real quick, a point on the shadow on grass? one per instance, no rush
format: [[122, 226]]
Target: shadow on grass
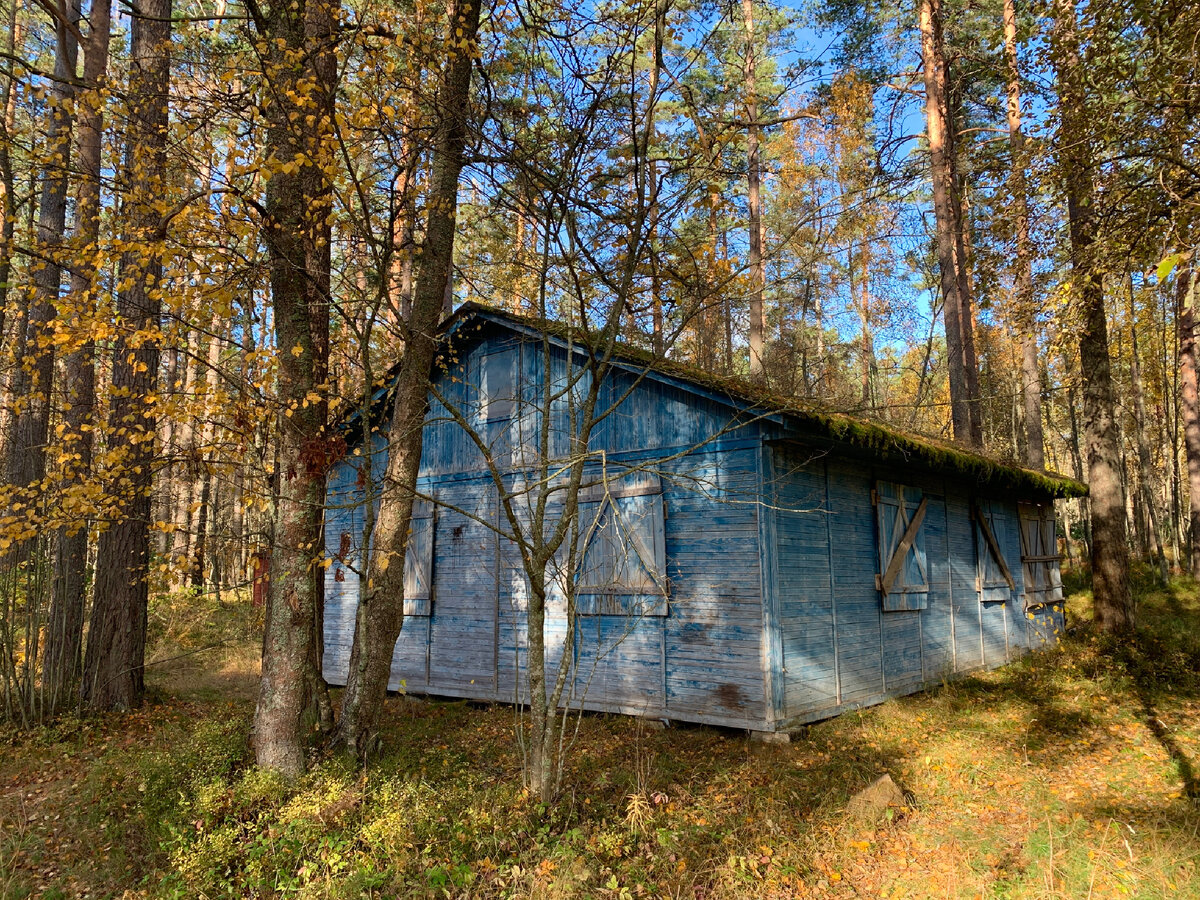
[[1056, 717], [1178, 821]]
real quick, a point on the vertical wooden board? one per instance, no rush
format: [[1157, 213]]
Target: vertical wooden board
[[992, 592], [411, 657], [712, 637], [902, 651], [630, 667], [462, 656], [341, 604], [589, 684], [937, 635], [900, 639], [960, 544], [1018, 625], [806, 620], [343, 532], [1046, 624], [937, 621], [442, 445], [995, 634], [855, 557]]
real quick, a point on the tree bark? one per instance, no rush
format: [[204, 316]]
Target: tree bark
[[380, 615], [758, 278], [180, 475], [1112, 602], [64, 637], [963, 260], [1026, 311], [1189, 398], [946, 212], [26, 464], [113, 666], [8, 195], [299, 118], [1146, 466]]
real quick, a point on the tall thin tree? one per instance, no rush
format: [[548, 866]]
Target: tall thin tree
[[113, 670], [758, 278], [380, 615], [64, 637], [1026, 310], [300, 88], [1112, 602], [946, 212]]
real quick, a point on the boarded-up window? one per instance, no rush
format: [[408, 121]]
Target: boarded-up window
[[497, 386], [623, 565], [1039, 555], [993, 579], [903, 579], [418, 563]]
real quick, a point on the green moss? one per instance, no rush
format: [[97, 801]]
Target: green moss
[[874, 438]]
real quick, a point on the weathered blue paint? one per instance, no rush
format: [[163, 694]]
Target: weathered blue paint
[[769, 537]]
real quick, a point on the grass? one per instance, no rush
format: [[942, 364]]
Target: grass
[[1069, 774]]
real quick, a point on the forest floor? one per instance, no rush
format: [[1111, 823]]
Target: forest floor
[[1071, 774]]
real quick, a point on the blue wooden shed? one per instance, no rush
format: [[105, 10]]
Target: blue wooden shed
[[748, 561]]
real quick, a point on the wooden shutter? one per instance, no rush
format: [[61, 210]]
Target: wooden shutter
[[595, 559], [418, 563], [993, 579], [1039, 555], [903, 577], [623, 565]]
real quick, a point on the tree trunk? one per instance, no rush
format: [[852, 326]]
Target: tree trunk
[[242, 525], [963, 259], [864, 316], [181, 472], [1112, 603], [1145, 465], [8, 195], [298, 243], [945, 212], [1026, 312], [64, 638], [1168, 357], [1189, 398], [758, 278], [26, 464], [202, 488], [380, 613], [113, 666]]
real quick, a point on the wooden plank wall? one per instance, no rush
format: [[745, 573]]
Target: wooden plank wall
[[702, 662], [819, 645], [838, 648]]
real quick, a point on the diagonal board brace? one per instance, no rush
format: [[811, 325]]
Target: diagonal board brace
[[994, 547], [896, 564]]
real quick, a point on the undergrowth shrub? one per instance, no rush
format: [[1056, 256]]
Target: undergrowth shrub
[[191, 618]]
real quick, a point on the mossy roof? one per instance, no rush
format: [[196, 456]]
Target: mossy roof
[[869, 437], [811, 421]]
